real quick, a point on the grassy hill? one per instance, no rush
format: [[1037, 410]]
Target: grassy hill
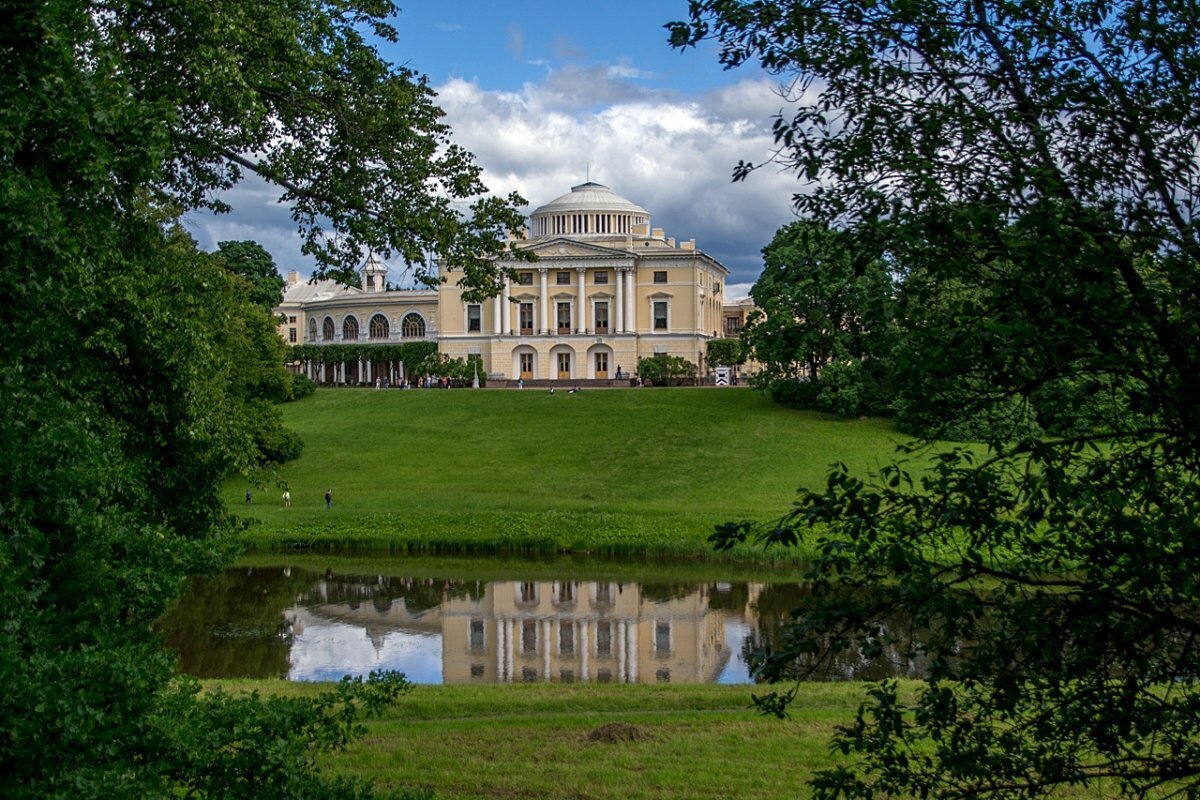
[[639, 471]]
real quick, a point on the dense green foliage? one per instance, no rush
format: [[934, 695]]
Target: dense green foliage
[[1031, 168], [665, 370], [250, 261], [725, 352], [646, 472], [135, 373], [824, 332]]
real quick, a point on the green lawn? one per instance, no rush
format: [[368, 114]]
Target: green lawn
[[532, 740], [634, 471]]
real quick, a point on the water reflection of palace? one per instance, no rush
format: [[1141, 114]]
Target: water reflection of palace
[[568, 631], [559, 631]]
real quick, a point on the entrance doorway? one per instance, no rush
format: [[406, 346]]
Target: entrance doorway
[[564, 366], [601, 365], [526, 362]]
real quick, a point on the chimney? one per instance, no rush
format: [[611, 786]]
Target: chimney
[[671, 242], [293, 278], [688, 245], [658, 233]]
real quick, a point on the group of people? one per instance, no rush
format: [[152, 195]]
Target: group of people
[[287, 498]]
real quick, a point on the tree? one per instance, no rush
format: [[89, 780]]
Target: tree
[[251, 261], [725, 352], [134, 371], [824, 330], [1032, 167]]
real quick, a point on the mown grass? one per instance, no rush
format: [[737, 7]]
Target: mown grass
[[531, 740], [617, 471]]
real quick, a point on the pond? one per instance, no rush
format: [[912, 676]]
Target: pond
[[473, 621]]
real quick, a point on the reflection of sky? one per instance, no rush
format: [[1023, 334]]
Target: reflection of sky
[[326, 652], [736, 670]]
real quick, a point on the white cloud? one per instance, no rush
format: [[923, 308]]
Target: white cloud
[[670, 153]]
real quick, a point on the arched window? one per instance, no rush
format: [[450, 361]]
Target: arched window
[[350, 329], [412, 327], [379, 327], [327, 330], [312, 329]]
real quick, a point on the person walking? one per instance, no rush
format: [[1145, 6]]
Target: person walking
[[247, 497], [287, 499], [329, 499]]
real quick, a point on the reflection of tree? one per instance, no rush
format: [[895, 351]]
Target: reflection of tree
[[777, 631], [418, 594], [232, 624], [737, 598], [666, 592]]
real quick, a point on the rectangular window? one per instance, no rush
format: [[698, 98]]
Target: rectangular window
[[291, 320], [717, 287], [566, 637], [476, 634], [601, 276], [477, 671], [601, 317], [564, 317], [474, 318], [603, 594], [525, 279], [660, 276], [603, 638], [733, 325], [525, 315], [370, 281], [662, 637], [562, 278], [529, 636], [291, 334], [660, 315]]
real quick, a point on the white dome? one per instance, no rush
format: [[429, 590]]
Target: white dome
[[590, 209], [590, 196]]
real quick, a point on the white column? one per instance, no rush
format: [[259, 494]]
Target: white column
[[546, 649], [500, 651], [506, 309], [583, 644], [630, 321], [619, 311], [544, 322], [508, 648], [370, 371], [581, 317], [620, 652], [632, 648], [496, 315]]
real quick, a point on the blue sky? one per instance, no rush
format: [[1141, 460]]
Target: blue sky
[[549, 94]]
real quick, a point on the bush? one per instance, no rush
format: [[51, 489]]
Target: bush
[[667, 370], [302, 386]]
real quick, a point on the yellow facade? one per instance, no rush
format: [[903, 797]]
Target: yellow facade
[[605, 290]]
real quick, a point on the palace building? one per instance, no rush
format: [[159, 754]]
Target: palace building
[[606, 290]]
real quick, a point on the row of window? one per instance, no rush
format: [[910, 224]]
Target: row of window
[[563, 317], [411, 327], [566, 637], [603, 675], [599, 277]]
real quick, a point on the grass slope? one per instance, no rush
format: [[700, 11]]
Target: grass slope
[[617, 471]]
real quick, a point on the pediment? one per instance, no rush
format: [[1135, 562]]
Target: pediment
[[572, 248]]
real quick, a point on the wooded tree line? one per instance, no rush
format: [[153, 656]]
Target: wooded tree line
[[136, 372], [1028, 174]]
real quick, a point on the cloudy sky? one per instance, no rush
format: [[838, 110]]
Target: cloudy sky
[[549, 94]]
